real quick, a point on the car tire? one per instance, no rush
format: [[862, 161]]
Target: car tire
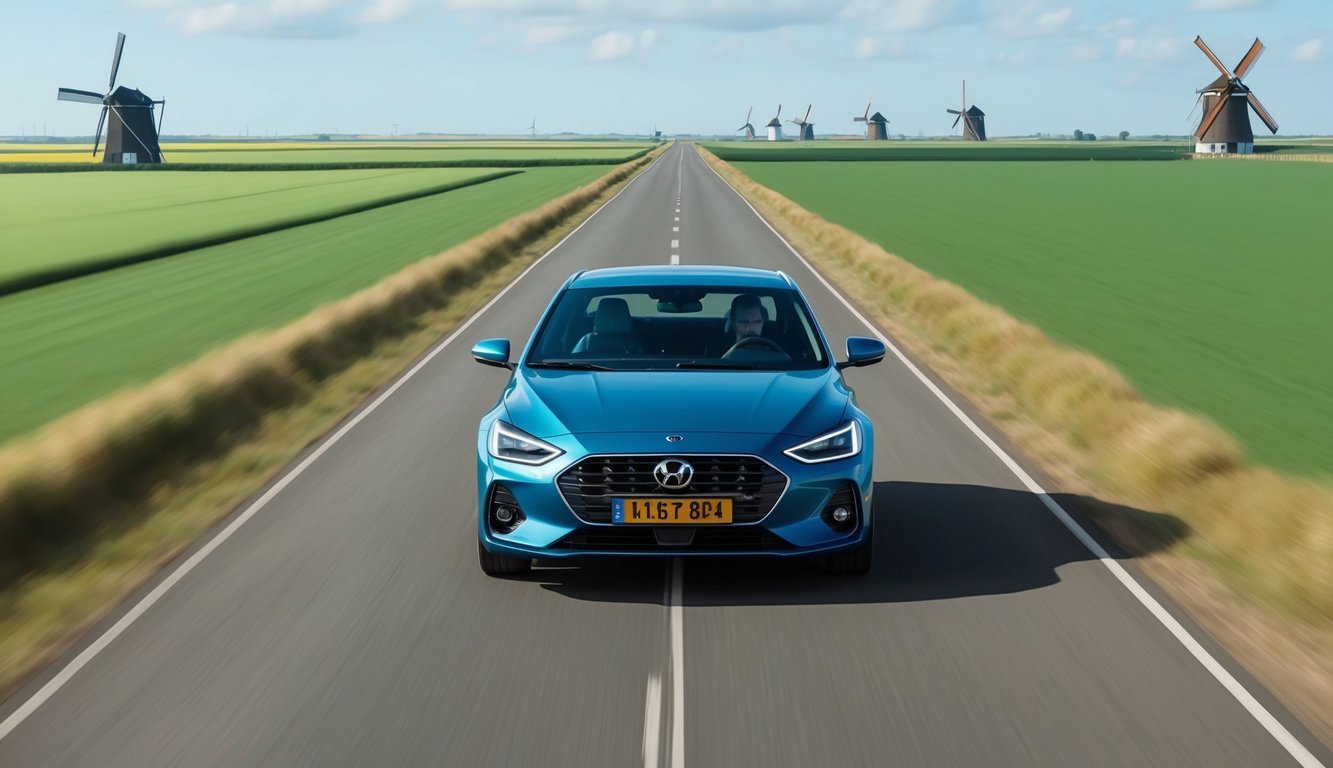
[[854, 563], [493, 564]]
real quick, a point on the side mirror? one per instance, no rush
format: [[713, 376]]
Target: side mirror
[[493, 352], [862, 351]]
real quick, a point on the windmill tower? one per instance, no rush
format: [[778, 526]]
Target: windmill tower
[[805, 130], [131, 136], [877, 125], [533, 128], [775, 126], [974, 120], [749, 129], [1226, 122]]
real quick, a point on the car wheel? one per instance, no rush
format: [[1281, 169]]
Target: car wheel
[[854, 563], [493, 564]]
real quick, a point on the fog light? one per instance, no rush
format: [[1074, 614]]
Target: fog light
[[841, 515], [504, 513]]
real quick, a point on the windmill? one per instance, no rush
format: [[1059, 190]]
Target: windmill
[[533, 128], [876, 124], [749, 129], [775, 126], [1226, 123], [805, 130], [974, 120], [131, 136]]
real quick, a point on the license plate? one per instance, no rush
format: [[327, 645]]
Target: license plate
[[668, 511]]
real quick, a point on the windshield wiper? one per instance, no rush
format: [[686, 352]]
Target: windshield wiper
[[722, 365], [571, 365]]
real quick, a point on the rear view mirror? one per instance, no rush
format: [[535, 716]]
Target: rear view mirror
[[493, 352], [863, 351]]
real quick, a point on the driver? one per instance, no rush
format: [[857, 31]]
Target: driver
[[745, 319]]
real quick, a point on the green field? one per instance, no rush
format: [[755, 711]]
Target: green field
[[842, 150], [252, 153], [66, 344], [67, 222], [1003, 150], [1206, 283]]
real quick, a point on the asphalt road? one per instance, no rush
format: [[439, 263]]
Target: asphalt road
[[344, 622]]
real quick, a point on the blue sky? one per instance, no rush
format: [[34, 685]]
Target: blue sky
[[595, 66]]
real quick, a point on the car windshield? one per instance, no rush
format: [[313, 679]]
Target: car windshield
[[679, 328]]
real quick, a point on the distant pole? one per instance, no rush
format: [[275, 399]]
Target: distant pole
[[395, 129]]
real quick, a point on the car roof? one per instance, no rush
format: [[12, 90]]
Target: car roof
[[647, 275]]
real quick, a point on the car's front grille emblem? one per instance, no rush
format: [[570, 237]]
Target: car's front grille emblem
[[673, 474], [674, 438]]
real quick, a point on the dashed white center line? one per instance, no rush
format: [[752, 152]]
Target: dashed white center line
[[675, 259], [675, 243], [677, 665], [652, 722], [675, 229]]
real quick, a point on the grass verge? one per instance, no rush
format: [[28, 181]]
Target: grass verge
[[93, 504], [1257, 567]]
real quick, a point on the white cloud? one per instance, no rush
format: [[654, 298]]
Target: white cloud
[[1308, 50], [306, 18], [910, 15], [1006, 57], [203, 21], [1031, 18], [537, 37], [1117, 27], [716, 14], [610, 46], [879, 48], [646, 39], [1209, 6], [385, 11], [1146, 48]]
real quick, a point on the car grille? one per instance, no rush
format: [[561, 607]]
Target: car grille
[[642, 539], [752, 484]]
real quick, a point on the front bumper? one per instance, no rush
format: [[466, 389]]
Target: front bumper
[[794, 526]]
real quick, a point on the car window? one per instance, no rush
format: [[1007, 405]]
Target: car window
[[677, 328]]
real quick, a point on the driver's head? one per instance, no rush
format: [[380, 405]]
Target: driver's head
[[747, 316]]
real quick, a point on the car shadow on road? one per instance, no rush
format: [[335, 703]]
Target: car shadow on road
[[932, 541]]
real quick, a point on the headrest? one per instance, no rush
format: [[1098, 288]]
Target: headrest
[[612, 316]]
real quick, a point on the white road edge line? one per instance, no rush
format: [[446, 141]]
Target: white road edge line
[[652, 722], [79, 662], [677, 664], [1233, 686]]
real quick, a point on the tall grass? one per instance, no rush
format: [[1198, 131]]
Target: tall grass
[[1269, 536]]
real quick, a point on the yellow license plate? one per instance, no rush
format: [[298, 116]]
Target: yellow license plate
[[669, 511]]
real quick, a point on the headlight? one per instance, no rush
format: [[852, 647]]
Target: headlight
[[841, 443], [513, 444]]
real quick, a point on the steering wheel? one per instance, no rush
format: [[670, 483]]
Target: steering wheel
[[757, 341]]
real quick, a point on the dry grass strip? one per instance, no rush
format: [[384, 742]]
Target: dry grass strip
[[95, 502], [1259, 543]]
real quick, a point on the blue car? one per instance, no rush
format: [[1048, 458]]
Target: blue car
[[677, 411]]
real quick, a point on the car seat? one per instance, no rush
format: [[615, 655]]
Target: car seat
[[612, 330]]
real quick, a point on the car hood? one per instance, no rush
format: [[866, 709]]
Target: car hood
[[549, 403]]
